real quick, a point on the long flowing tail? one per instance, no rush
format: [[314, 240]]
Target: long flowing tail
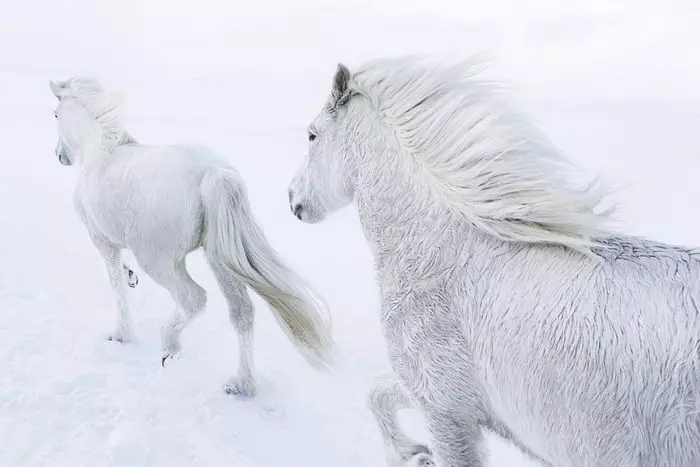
[[233, 238]]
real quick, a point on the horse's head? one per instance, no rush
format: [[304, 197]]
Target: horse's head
[[80, 117], [324, 183]]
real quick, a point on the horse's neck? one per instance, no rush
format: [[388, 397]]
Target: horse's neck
[[399, 215], [94, 150]]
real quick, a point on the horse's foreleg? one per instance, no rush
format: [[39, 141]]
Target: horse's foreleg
[[385, 400], [118, 277], [456, 438]]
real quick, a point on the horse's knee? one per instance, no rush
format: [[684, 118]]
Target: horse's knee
[[375, 398], [383, 398]]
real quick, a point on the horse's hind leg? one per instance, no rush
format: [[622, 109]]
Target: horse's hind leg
[[385, 400], [189, 297], [241, 313]]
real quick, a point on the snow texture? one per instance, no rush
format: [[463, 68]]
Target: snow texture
[[70, 398]]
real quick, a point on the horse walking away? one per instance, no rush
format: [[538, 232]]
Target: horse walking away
[[163, 202], [507, 302]]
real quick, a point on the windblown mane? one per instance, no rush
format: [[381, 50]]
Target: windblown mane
[[105, 107], [479, 156]]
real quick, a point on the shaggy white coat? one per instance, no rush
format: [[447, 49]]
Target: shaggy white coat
[[163, 202], [505, 303]]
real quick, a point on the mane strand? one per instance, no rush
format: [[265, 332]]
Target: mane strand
[[485, 161]]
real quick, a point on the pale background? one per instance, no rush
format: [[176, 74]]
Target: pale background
[[615, 84]]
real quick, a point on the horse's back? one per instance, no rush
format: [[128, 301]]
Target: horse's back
[[147, 198], [175, 164]]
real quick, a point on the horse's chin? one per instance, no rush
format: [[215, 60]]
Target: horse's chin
[[311, 218]]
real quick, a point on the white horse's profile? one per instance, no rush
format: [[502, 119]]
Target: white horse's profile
[[164, 202], [506, 305]]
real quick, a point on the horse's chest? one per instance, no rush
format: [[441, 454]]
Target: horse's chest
[[428, 348]]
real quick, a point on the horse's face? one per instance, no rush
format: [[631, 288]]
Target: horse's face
[[74, 123], [324, 184]]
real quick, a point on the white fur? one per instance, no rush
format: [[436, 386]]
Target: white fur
[[164, 202], [485, 162], [505, 304]]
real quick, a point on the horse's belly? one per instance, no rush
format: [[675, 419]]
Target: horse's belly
[[560, 426], [514, 418], [136, 218]]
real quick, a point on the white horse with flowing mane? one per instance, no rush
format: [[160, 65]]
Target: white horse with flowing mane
[[164, 202], [506, 303]]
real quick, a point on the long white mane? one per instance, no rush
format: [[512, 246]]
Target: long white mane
[[480, 157], [105, 107]]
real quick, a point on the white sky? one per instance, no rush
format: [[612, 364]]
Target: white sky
[[568, 48]]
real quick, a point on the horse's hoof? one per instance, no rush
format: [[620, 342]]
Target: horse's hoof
[[118, 337], [238, 389], [168, 356], [417, 455], [132, 279], [421, 460]]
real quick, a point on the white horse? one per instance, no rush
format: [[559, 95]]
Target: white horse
[[505, 304], [164, 202]]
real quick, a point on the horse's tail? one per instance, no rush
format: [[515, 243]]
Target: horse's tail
[[233, 239]]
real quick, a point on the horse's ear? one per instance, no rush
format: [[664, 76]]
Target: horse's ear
[[341, 81], [57, 89]]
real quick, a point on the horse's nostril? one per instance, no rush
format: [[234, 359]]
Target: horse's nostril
[[297, 210]]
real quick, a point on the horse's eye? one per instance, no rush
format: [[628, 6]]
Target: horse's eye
[[312, 136], [55, 115]]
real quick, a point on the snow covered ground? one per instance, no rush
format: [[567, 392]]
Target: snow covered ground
[[69, 398]]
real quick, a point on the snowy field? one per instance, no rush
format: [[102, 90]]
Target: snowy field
[[69, 398]]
